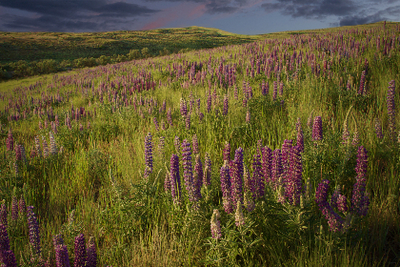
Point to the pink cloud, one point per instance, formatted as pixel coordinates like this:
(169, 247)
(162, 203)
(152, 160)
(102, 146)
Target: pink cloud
(174, 13)
(197, 11)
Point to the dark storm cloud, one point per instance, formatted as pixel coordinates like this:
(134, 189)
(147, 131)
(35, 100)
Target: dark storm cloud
(313, 9)
(215, 6)
(348, 12)
(357, 20)
(74, 15)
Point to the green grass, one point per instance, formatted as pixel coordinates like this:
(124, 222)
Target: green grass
(100, 173)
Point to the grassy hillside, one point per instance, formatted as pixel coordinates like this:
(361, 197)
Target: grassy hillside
(283, 151)
(32, 53)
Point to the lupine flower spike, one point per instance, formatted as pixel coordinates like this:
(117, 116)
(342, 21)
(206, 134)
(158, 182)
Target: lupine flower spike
(239, 217)
(216, 225)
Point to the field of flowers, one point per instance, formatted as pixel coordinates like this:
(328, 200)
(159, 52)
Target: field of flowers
(281, 152)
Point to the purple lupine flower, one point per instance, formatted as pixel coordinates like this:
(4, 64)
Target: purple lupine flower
(342, 203)
(362, 162)
(198, 176)
(216, 225)
(239, 217)
(3, 214)
(335, 222)
(4, 239)
(201, 116)
(169, 117)
(286, 149)
(226, 105)
(53, 145)
(226, 152)
(8, 258)
(247, 181)
(80, 251)
(187, 122)
(226, 188)
(58, 240)
(37, 146)
(237, 178)
(22, 206)
(360, 200)
(294, 177)
(45, 148)
(18, 155)
(187, 169)
(258, 177)
(183, 108)
(244, 102)
(317, 129)
(248, 116)
(33, 225)
(14, 208)
(62, 258)
(156, 124)
(266, 162)
(207, 170)
(209, 101)
(148, 155)
(175, 178)
(195, 143)
(275, 92)
(300, 137)
(276, 170)
(91, 252)
(10, 141)
(281, 89)
(378, 129)
(391, 108)
(361, 90)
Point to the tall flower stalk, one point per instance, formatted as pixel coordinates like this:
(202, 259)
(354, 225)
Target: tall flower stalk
(148, 155)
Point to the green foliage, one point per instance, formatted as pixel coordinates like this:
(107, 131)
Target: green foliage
(99, 175)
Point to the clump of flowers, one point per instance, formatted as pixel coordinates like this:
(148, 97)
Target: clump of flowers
(317, 129)
(335, 222)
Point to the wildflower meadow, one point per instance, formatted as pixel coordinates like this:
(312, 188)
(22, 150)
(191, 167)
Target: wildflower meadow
(279, 152)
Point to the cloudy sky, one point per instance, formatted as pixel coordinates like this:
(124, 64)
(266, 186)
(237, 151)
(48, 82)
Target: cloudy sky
(237, 16)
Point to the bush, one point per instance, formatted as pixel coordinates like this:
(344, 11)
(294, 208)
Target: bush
(164, 52)
(66, 64)
(133, 54)
(46, 66)
(103, 60)
(145, 52)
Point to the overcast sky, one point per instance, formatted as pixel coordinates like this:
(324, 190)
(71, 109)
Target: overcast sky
(237, 16)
